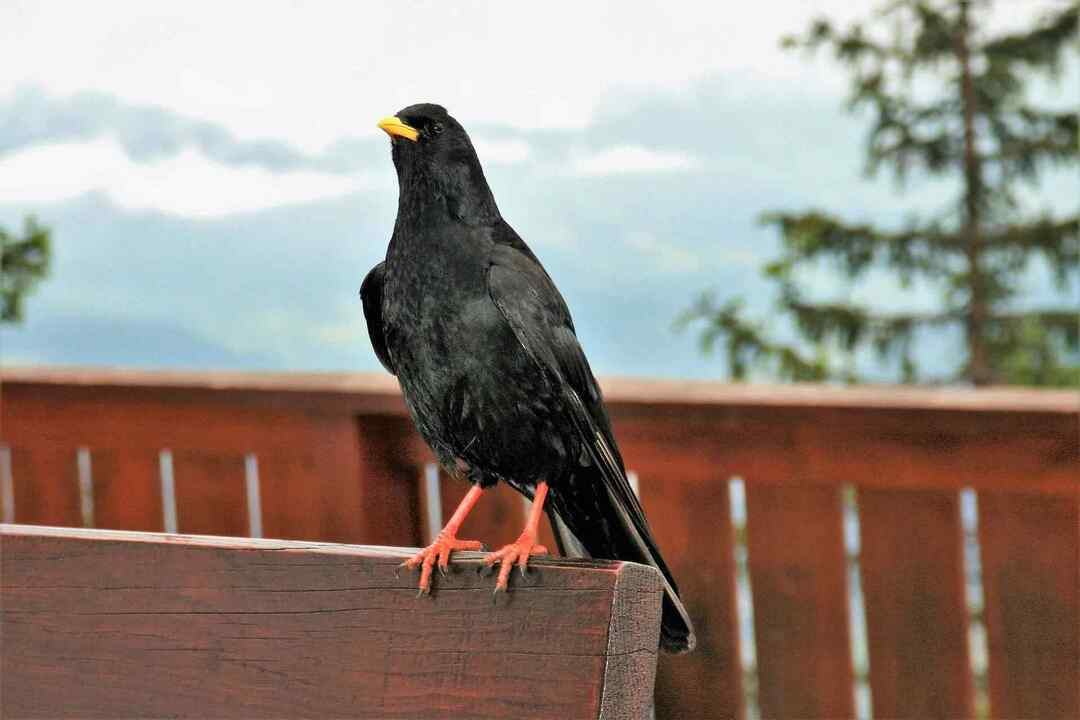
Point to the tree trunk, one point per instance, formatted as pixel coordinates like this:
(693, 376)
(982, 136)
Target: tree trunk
(979, 370)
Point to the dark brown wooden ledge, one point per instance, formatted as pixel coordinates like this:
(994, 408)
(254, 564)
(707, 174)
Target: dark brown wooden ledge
(103, 624)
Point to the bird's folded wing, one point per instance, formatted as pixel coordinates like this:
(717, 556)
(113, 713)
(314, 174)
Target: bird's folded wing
(538, 315)
(371, 294)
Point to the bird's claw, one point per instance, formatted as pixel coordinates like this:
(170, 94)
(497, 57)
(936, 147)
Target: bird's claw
(516, 553)
(437, 554)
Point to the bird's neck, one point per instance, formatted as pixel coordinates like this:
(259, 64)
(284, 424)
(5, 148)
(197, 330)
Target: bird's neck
(455, 194)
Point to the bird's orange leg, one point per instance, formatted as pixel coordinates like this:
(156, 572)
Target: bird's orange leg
(445, 542)
(520, 550)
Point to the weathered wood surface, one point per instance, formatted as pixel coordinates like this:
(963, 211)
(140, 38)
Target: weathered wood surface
(100, 624)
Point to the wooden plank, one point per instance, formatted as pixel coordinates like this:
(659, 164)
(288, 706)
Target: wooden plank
(632, 645)
(617, 390)
(1031, 582)
(210, 493)
(290, 509)
(154, 626)
(127, 489)
(687, 504)
(46, 485)
(913, 589)
(797, 573)
(384, 461)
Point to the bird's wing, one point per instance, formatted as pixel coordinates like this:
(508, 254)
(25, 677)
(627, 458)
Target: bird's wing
(538, 315)
(371, 294)
(539, 318)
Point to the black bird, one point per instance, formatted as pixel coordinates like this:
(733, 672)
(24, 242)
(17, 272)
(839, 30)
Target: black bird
(491, 370)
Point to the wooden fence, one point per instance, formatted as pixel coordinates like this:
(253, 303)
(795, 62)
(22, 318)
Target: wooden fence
(334, 458)
(107, 624)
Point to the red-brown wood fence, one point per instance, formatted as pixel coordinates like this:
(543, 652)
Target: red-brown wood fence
(334, 457)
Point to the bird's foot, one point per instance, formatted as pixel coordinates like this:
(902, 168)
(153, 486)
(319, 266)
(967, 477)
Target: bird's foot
(517, 552)
(437, 553)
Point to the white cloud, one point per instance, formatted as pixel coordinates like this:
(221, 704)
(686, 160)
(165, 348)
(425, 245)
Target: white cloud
(624, 159)
(311, 73)
(187, 184)
(500, 151)
(665, 256)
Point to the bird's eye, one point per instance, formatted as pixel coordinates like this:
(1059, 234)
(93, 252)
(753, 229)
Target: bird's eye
(436, 128)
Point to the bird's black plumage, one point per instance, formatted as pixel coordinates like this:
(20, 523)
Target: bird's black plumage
(485, 350)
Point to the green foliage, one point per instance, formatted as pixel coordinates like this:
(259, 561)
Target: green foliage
(24, 263)
(945, 99)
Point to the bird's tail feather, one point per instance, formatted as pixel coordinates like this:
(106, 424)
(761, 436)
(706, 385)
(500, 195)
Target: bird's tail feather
(569, 545)
(676, 632)
(622, 532)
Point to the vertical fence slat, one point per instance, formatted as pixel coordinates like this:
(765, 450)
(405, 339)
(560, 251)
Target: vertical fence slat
(688, 508)
(210, 493)
(381, 503)
(1031, 581)
(913, 586)
(127, 490)
(798, 574)
(290, 509)
(45, 486)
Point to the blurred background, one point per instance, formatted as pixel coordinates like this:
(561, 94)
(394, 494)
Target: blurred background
(214, 187)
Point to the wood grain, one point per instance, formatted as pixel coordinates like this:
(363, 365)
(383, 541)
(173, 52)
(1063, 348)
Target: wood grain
(633, 638)
(1031, 579)
(137, 625)
(913, 587)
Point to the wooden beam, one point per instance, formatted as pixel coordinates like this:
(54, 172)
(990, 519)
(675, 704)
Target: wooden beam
(380, 390)
(123, 624)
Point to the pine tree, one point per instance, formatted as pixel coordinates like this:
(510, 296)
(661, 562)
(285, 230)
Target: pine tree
(946, 99)
(24, 262)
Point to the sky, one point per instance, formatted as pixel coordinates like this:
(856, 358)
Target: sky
(217, 188)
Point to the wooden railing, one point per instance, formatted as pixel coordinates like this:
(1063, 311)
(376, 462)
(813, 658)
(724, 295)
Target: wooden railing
(100, 623)
(335, 458)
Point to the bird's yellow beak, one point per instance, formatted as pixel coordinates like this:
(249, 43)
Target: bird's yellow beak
(394, 126)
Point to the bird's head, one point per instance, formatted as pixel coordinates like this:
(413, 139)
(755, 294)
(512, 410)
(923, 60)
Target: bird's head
(436, 162)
